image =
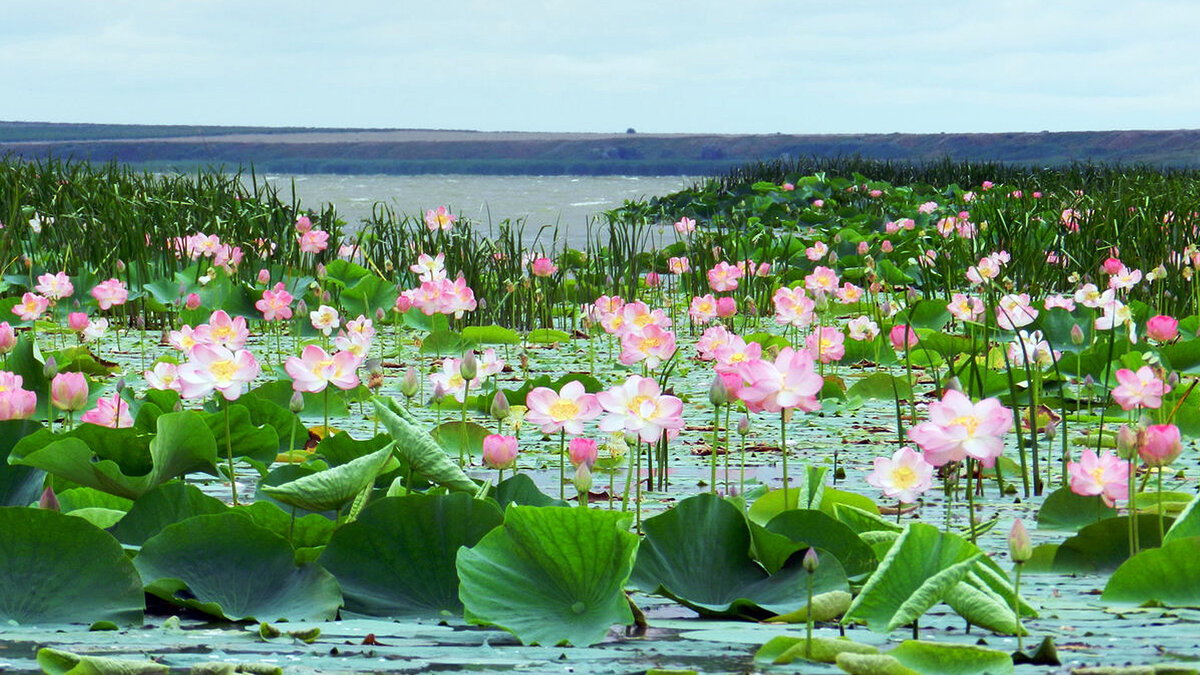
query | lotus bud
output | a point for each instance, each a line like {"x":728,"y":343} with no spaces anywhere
{"x":296,"y":403}
{"x":833,"y":257}
{"x":1076,"y":335}
{"x":321,"y":271}
{"x":500,"y":408}
{"x":380,"y":315}
{"x":120,"y":265}
{"x":582,"y":479}
{"x":178,"y":407}
{"x":301,"y":307}
{"x":120,"y":385}
{"x":582,"y":451}
{"x":76,"y":321}
{"x":389,"y":266}
{"x":468,"y":367}
{"x":69,"y":391}
{"x":1127,"y":441}
{"x":1020,"y":549}
{"x":743,"y":426}
{"x":1051,"y":429}
{"x":326,"y":297}
{"x":811,"y":560}
{"x":51,"y":368}
{"x":410,"y":384}
{"x":193,"y":301}
{"x":500,"y":452}
{"x":653,"y":280}
{"x":718,"y":394}
{"x":48,"y":500}
{"x":264,"y":276}
{"x":1172,"y":379}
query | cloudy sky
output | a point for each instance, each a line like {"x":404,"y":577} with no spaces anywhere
{"x":790,"y":66}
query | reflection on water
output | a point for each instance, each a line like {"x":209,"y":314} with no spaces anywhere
{"x":565,"y":201}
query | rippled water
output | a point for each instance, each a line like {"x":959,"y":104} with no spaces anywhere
{"x":567,"y":201}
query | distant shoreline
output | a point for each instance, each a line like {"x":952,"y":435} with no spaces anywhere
{"x":422,"y":151}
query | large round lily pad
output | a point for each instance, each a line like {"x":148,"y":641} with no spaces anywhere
{"x":59,"y":569}
{"x":398,"y":558}
{"x":550,"y":574}
{"x":226,"y":565}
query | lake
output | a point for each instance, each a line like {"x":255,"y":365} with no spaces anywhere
{"x":568,"y":201}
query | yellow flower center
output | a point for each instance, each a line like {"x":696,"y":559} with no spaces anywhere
{"x":904,"y":477}
{"x":970,"y":422}
{"x":564,"y":409}
{"x":319,"y":369}
{"x":737,"y":357}
{"x":642,"y":320}
{"x":650,"y":343}
{"x":224,"y":370}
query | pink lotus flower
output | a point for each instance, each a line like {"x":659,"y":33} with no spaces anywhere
{"x":685,"y":225}
{"x":31,"y":307}
{"x":110,"y":293}
{"x":451,"y":381}
{"x":652,"y":345}
{"x":110,"y":411}
{"x":787,"y":187}
{"x":223,"y":331}
{"x":703,"y":308}
{"x":735,"y":351}
{"x":275,"y":305}
{"x":55,"y":286}
{"x":69,"y":391}
{"x":826,"y":345}
{"x":790,"y":382}
{"x":439,"y":219}
{"x":16,"y":403}
{"x":904,"y":477}
{"x":212,"y":367}
{"x":314,"y":241}
{"x":1015,"y":311}
{"x":303,"y":224}
{"x":816,"y":251}
{"x":1162,"y":328}
{"x":822,"y":280}
{"x":678,"y":265}
{"x":902,"y":337}
{"x":711,"y":340}
{"x":862,"y":328}
{"x":724,"y":277}
{"x":325,"y":319}
{"x":638,"y":406}
{"x":958,"y":429}
{"x":429,"y":268}
{"x":8,"y":337}
{"x":653,"y":280}
{"x":793,"y":307}
{"x":565,"y":410}
{"x":849,"y":294}
{"x":500,"y":452}
{"x":315,"y":369}
{"x":404,"y":302}
{"x":1106,"y":475}
{"x":965,"y":308}
{"x":1142,"y":389}
{"x":726,"y":306}
{"x":164,"y":375}
{"x":582,"y":451}
{"x":1159,"y":444}
{"x":543,"y":267}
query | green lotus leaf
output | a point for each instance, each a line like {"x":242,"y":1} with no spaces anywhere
{"x":520,"y":489}
{"x":1065,"y":510}
{"x":99,"y":516}
{"x":287,"y":426}
{"x":257,"y":442}
{"x":861,"y":521}
{"x":933,"y":658}
{"x":19,"y":485}
{"x":183,"y":444}
{"x":310,"y":531}
{"x":333,"y":488}
{"x":491,"y":335}
{"x":227,"y":566}
{"x":784,"y":649}
{"x":456,"y":437}
{"x":58,"y":569}
{"x":698,"y":554}
{"x":398,"y":557}
{"x":339,"y":449}
{"x":166,"y":504}
{"x":1188,"y":522}
{"x":547,"y":336}
{"x":809,"y":527}
{"x":418,"y":449}
{"x":550,"y":574}
{"x":85,"y":497}
{"x":921,"y":567}
{"x":444,"y":343}
{"x":1103,"y":546}
{"x":58,"y":662}
{"x":1169,"y":576}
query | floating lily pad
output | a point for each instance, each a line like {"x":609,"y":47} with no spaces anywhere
{"x":1169,"y":576}
{"x":1065,"y":510}
{"x":166,"y":504}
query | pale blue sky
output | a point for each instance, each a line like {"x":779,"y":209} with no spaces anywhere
{"x":725,"y":67}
